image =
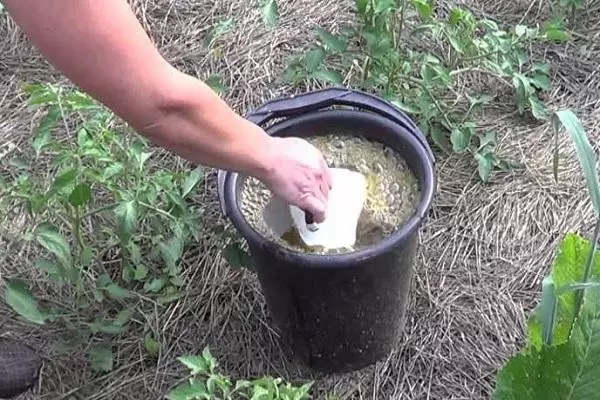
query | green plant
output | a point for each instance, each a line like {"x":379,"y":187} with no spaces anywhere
{"x":566,"y":10}
{"x":114,"y":227}
{"x":427,"y":75}
{"x":205,"y":383}
{"x":560,"y":359}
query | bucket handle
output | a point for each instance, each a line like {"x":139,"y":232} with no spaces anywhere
{"x":312,"y":101}
{"x":315,"y":100}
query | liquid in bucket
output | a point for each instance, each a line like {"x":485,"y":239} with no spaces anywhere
{"x":392,"y":194}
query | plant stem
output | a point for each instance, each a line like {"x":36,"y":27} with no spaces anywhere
{"x":99,"y":210}
{"x":401,"y":23}
{"x":77,"y":228}
{"x":158,"y":210}
{"x":588,"y":268}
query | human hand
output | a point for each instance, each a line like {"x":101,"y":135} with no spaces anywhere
{"x":299,"y":175}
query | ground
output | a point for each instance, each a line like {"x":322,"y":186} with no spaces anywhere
{"x":483,"y":250}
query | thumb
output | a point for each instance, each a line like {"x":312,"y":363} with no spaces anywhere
{"x":314,"y":206}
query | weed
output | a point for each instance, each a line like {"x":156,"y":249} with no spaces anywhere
{"x":113,"y":227}
{"x":427,"y":80}
{"x":204,"y":382}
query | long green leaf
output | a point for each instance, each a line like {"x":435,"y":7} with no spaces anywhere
{"x":127,"y":217}
{"x":585,"y":152}
{"x":191,"y":180}
{"x":19,"y":298}
{"x":569,"y":371}
{"x":55,"y":243}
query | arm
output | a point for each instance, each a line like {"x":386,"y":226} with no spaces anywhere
{"x":101,"y":47}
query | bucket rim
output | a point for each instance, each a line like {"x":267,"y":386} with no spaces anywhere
{"x":228,"y":199}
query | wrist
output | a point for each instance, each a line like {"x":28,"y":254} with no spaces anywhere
{"x":259,"y":151}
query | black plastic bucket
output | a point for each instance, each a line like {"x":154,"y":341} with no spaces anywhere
{"x":338,"y":312}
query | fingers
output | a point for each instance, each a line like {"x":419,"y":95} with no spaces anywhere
{"x":317,"y":202}
{"x":314,"y":206}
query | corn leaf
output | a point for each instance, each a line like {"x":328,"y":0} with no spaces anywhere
{"x":585,"y":152}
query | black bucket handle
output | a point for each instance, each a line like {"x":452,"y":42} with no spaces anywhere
{"x":323,"y":98}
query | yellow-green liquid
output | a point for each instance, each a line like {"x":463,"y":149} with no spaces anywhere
{"x":392,"y":192}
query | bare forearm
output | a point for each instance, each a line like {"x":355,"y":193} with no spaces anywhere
{"x":102,"y":48}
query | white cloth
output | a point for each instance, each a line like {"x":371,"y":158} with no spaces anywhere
{"x":346,"y":200}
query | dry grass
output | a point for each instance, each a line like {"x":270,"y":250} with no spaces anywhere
{"x":484,"y":248}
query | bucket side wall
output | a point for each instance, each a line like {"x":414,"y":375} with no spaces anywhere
{"x":339,"y":319}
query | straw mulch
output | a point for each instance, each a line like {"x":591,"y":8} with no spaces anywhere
{"x":484,"y":249}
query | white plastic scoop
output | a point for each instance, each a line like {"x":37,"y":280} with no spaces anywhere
{"x":346,"y":200}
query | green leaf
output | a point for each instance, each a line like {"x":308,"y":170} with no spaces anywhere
{"x":210,"y":360}
{"x":461,"y":139}
{"x":54,"y":270}
{"x":556,"y":35}
{"x":191,"y":390}
{"x":171,"y":252}
{"x":83,"y":138}
{"x":541,"y":81}
{"x":456,"y":43}
{"x":42,"y":136}
{"x":566,"y":371}
{"x":112,"y":170}
{"x":19,"y":298}
{"x":127,"y":216}
{"x":567,"y":269}
{"x":86,"y":256}
{"x":361,"y":6}
{"x":80,"y":195}
{"x":423,"y":8}
{"x":313,"y":59}
{"x":196,"y":364}
{"x":456,"y":15}
{"x":191,"y":180}
{"x":440,"y":138}
{"x":260,"y":393}
{"x":117,"y":292}
{"x":151,"y":345}
{"x":328,"y":76}
{"x":140,"y":272}
{"x":384,"y":6}
{"x":485,"y":163}
{"x":332,"y":43}
{"x":170,"y":297}
{"x":487,"y":140}
{"x":112,"y":326}
{"x":585,"y":153}
{"x":219,"y":29}
{"x":100,"y":358}
{"x":215,"y":82}
{"x":270,"y":12}
{"x":114,"y":291}
{"x":65,"y":179}
{"x":155,"y":285}
{"x":538,"y":109}
{"x":54,"y":242}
